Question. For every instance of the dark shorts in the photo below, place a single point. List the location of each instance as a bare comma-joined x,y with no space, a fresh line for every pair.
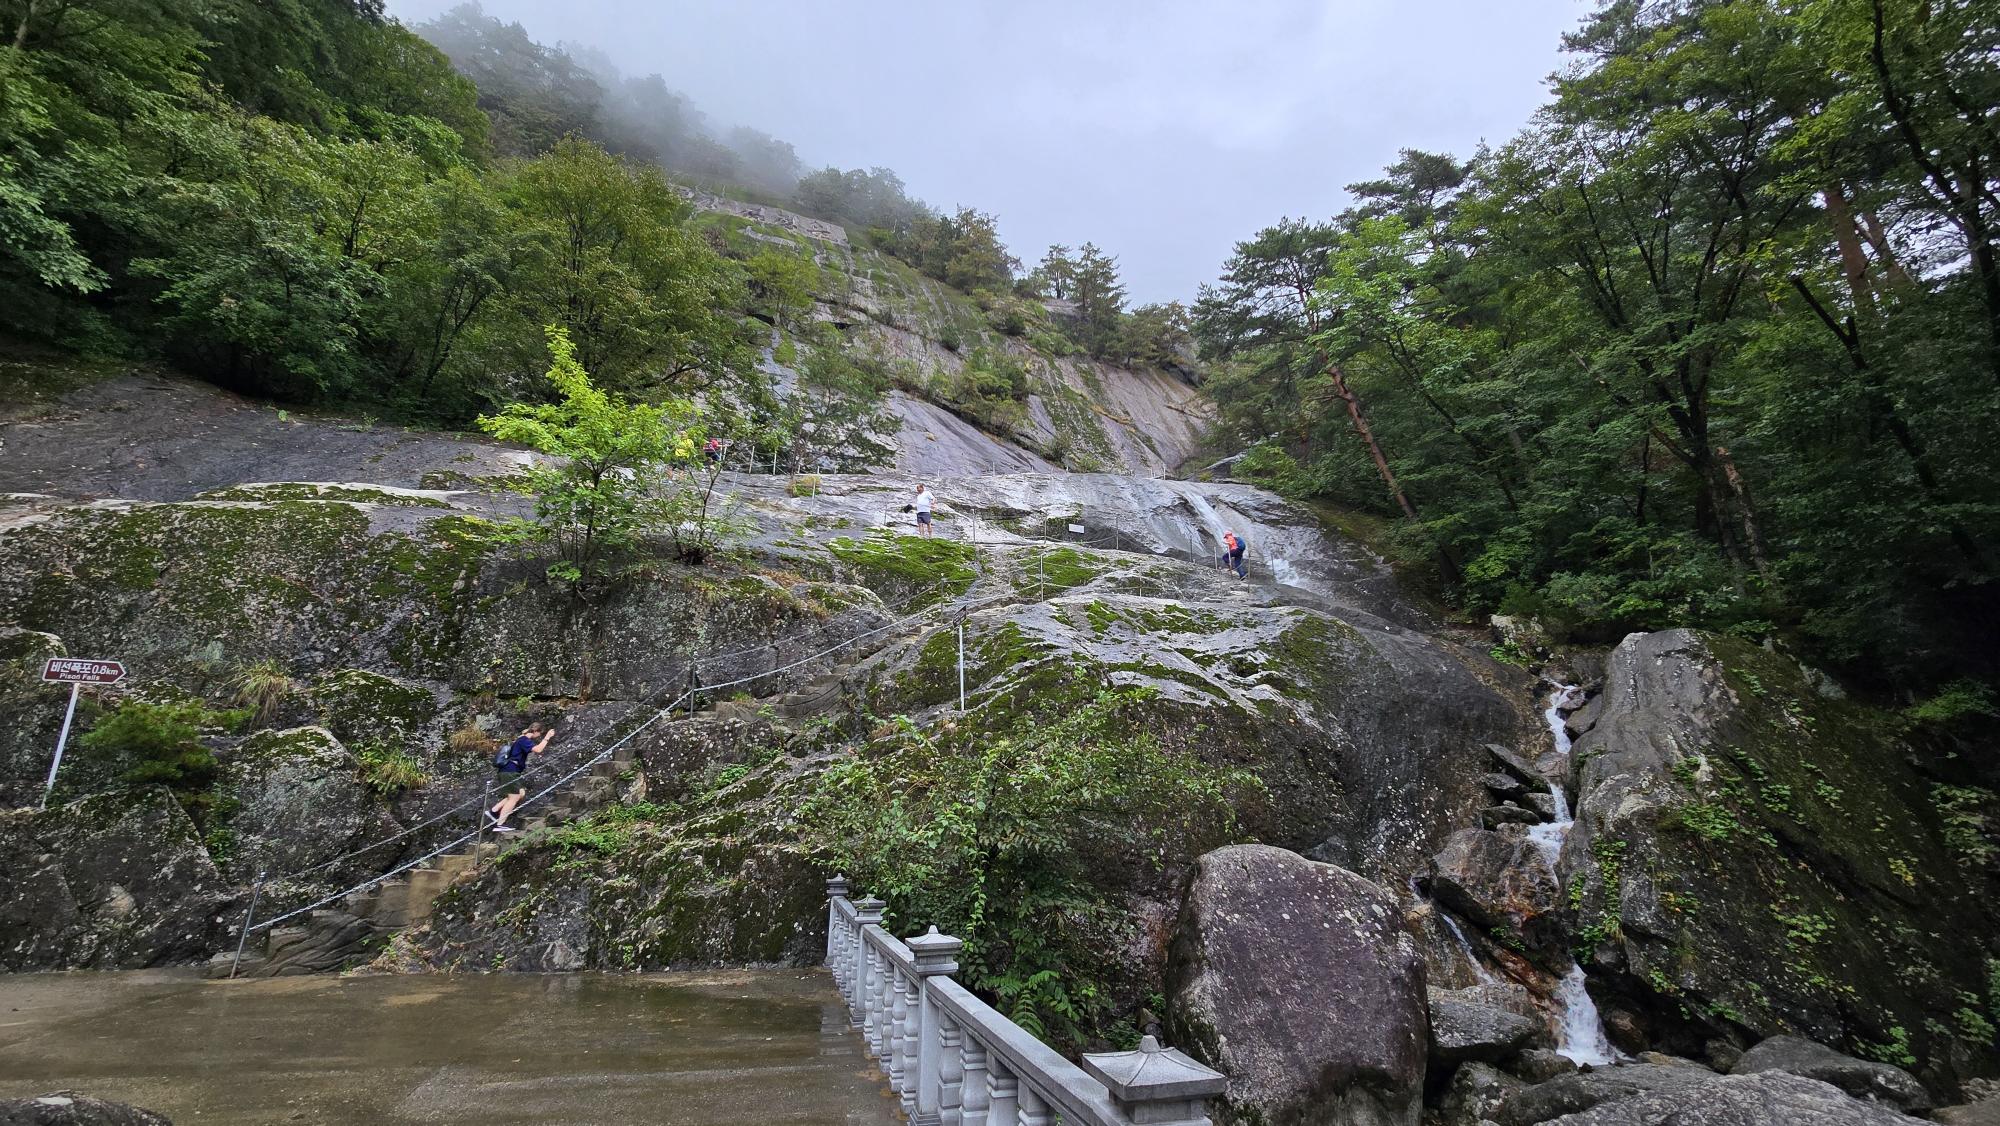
923,517
506,782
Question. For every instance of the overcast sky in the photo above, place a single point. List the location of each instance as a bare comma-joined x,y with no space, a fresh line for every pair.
1162,130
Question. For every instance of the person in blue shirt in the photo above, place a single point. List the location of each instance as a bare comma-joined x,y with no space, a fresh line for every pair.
507,774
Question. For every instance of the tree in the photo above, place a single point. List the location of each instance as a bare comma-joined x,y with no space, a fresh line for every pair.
608,486
1055,275
1099,298
643,299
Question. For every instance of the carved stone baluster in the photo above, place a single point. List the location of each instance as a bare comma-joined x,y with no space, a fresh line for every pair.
1034,1111
893,1060
951,1072
1004,1104
912,1054
976,1096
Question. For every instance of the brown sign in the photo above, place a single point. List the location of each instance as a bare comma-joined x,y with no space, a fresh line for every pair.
82,670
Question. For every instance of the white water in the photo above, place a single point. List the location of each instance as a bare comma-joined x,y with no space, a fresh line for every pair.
1582,1030
1479,970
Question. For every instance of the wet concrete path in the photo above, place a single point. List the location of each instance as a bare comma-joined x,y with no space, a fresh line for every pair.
671,1049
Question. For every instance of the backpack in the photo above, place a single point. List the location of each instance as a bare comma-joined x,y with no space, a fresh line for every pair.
504,760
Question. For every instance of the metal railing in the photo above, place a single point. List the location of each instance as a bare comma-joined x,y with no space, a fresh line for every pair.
953,1060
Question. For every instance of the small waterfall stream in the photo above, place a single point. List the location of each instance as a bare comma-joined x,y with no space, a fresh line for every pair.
1582,1030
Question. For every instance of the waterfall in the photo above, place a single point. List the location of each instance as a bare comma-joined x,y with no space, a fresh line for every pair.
1479,970
1582,1030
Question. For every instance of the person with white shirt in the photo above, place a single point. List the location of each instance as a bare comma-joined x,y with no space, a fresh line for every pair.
923,507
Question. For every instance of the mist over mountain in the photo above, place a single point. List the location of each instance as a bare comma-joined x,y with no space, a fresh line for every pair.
1161,132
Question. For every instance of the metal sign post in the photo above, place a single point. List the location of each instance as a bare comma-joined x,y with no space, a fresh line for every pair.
75,672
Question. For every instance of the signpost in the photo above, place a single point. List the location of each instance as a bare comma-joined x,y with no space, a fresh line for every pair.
75,672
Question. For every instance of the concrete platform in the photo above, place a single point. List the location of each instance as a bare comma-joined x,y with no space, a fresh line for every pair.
578,1050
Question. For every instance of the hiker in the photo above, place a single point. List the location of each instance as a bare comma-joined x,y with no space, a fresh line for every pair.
1232,553
507,769
923,507
712,450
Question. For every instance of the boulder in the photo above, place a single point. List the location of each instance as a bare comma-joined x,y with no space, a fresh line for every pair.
1864,1078
1984,1113
1507,813
1749,857
1772,1098
1500,882
67,1108
1539,1065
1582,1090
297,801
1518,765
1476,1090
1465,1027
113,881
1296,980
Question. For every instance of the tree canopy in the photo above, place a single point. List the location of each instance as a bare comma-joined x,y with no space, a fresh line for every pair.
1712,341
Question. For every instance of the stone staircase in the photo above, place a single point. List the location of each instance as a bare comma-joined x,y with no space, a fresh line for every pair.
331,939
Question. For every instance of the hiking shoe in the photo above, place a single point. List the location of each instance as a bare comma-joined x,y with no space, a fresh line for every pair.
505,829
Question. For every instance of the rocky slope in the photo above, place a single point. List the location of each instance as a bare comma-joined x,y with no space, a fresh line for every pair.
1750,856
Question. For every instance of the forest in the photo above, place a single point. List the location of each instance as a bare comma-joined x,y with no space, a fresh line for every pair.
309,201
1715,341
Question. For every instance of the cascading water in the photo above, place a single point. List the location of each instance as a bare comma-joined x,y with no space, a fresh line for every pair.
1479,970
1583,1038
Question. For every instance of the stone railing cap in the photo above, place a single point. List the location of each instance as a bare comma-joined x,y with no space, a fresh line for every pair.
934,943
869,903
1151,1073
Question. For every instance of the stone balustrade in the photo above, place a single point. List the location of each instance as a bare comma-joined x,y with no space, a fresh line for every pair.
953,1060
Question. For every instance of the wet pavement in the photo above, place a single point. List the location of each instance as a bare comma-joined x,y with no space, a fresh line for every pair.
576,1050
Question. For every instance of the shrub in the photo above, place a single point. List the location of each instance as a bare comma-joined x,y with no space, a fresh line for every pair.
388,771
263,688
163,743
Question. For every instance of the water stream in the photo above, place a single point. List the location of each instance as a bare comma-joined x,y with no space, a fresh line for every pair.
1581,1029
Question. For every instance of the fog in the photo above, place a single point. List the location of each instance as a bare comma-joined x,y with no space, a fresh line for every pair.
1162,131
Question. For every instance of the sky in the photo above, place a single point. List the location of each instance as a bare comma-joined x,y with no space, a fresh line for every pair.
1164,131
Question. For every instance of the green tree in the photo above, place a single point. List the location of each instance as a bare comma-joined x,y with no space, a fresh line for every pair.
1099,296
607,486
644,300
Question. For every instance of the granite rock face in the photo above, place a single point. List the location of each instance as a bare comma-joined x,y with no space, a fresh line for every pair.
1751,858
1297,981
117,881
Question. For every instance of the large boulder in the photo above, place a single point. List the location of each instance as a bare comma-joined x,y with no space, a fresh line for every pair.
1752,858
1296,980
294,801
114,881
67,1108
1579,1091
1768,1099
1864,1078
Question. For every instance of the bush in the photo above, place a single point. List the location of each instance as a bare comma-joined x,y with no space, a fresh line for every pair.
262,687
162,741
388,771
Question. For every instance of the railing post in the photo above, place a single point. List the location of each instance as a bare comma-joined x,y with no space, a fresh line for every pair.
1034,1112
256,891
871,998
867,912
836,937
935,955
1155,1084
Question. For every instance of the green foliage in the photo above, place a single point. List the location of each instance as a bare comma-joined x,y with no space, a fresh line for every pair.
162,743
1964,814
1895,1051
263,687
611,483
388,771
1680,353
1007,839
